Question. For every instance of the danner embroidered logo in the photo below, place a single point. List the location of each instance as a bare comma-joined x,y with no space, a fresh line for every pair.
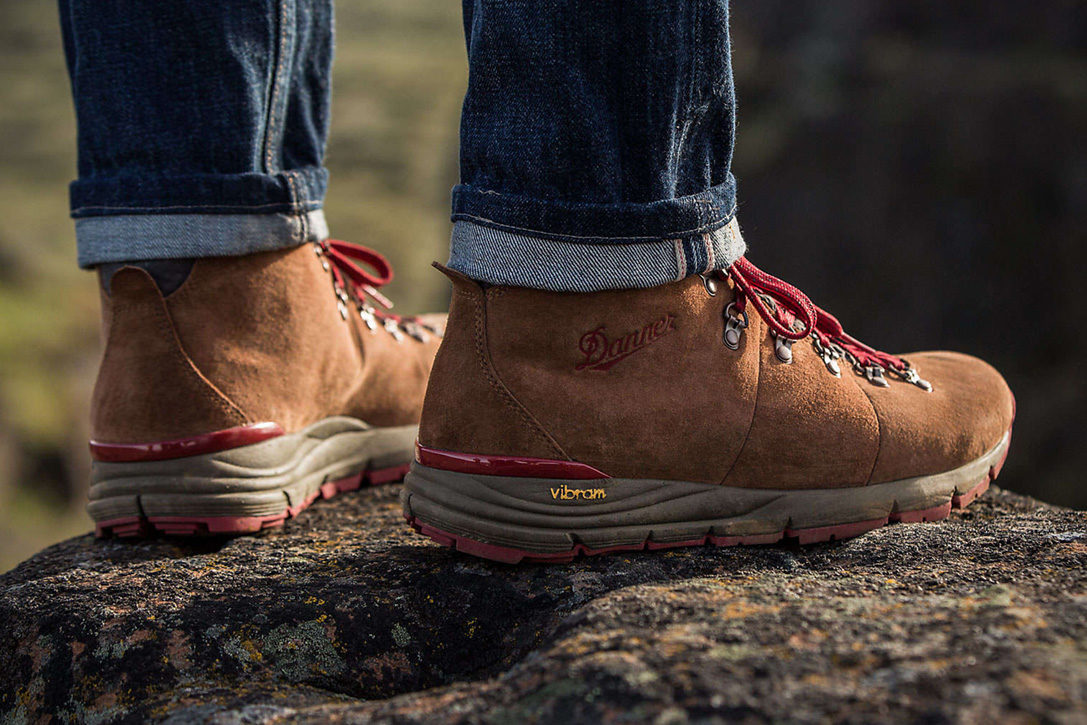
601,353
565,493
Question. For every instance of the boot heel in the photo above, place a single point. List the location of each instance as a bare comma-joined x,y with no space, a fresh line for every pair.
246,488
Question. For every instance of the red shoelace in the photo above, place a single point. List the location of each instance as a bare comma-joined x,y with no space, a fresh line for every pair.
791,306
344,256
343,261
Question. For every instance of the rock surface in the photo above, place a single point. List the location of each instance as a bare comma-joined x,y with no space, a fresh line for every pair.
346,614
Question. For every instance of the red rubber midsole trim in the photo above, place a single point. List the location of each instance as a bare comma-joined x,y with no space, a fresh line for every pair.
515,466
219,440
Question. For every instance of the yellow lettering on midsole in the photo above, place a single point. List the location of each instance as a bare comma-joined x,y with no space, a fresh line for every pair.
565,493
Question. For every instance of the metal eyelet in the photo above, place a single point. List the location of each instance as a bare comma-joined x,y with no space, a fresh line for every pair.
783,348
367,314
911,376
341,302
393,329
828,355
428,328
416,331
710,284
734,327
874,373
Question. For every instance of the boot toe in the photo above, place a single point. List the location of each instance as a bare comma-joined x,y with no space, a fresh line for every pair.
967,414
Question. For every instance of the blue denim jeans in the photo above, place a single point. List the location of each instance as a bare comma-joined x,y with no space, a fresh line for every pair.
596,136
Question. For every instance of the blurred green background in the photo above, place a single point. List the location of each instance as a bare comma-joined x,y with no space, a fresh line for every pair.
916,167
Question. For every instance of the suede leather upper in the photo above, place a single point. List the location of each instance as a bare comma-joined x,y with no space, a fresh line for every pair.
520,373
246,339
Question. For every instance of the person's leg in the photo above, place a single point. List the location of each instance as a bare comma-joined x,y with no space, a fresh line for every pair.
594,394
596,141
201,126
245,372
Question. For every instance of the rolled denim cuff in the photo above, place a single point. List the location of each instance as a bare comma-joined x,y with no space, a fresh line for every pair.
136,217
497,256
584,223
295,191
139,237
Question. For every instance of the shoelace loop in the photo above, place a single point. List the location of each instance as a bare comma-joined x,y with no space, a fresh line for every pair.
344,257
362,271
792,306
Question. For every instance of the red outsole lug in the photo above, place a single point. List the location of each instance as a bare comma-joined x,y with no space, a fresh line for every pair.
381,476
489,551
343,485
144,527
747,540
659,545
936,513
816,534
128,527
963,500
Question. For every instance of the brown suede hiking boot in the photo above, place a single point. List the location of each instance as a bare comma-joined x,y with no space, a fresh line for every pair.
719,410
230,403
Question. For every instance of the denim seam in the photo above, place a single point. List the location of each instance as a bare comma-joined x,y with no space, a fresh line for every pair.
303,228
271,131
151,209
296,201
665,237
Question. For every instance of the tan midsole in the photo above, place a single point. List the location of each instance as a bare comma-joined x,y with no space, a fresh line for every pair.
550,515
255,480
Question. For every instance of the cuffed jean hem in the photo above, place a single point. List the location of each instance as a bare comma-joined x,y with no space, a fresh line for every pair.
294,191
141,237
583,223
500,257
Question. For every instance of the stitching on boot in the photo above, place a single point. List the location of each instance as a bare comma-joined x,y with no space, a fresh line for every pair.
879,431
503,392
164,324
754,408
225,404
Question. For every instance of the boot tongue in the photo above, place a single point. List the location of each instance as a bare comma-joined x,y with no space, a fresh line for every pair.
169,274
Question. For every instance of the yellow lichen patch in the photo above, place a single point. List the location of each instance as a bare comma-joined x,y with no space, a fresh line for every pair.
746,608
816,679
251,647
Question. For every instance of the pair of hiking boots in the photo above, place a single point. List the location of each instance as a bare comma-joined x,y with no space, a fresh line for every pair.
721,409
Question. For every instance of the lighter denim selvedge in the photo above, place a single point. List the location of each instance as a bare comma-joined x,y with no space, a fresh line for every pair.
499,257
